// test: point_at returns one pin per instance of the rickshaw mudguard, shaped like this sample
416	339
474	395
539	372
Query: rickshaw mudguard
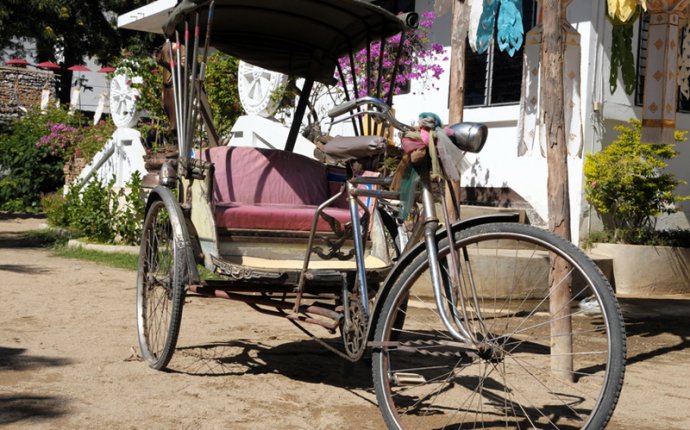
406	259
179	225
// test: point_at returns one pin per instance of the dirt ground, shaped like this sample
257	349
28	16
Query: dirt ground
68	358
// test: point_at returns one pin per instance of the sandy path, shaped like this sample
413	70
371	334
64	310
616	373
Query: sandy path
67	330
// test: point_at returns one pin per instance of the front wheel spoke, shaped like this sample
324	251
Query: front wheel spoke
554	394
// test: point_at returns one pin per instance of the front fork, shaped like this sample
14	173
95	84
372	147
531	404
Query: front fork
457	327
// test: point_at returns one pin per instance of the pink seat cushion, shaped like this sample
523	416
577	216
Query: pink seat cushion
257	175
275	217
268	189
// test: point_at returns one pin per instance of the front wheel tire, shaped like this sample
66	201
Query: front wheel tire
424	378
161	280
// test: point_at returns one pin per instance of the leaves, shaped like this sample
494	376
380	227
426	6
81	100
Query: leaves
627	181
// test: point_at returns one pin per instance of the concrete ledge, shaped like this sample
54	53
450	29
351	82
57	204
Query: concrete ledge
126	249
644	271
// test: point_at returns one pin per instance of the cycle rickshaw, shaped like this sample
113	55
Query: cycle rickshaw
472	323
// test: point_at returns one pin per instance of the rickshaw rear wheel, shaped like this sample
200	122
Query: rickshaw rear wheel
161	280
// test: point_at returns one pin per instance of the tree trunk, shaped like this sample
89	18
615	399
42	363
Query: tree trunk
457	85
559	202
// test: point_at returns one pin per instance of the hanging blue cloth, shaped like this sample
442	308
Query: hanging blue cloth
485	30
510	31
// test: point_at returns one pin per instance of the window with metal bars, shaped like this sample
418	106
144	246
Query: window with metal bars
682	104
494	78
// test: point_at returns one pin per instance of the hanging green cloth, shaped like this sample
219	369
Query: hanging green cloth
487	21
622	14
510	33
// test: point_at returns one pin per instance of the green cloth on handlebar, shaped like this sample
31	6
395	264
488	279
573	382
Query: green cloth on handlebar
408	190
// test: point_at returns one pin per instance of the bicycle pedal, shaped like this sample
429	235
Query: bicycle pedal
405	378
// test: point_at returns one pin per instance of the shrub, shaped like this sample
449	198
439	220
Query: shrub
91	139
99	213
29	167
627	182
129	219
53	205
95	212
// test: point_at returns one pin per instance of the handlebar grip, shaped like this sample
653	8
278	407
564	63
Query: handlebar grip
343	108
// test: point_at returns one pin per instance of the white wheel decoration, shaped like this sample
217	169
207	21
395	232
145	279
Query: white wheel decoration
123	100
256	85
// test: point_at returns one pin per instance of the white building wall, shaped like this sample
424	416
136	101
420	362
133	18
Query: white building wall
617	109
498	164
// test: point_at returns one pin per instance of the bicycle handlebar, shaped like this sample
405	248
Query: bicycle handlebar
384	111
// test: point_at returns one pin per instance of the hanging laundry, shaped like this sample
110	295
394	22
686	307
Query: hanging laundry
530	129
622	14
487	21
476	7
623	10
510	31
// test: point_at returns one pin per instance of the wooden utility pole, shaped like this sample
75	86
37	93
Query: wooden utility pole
458	36
551	95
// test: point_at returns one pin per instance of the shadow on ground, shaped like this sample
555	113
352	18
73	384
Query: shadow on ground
16	407
21	407
26	269
17	360
305	360
10	240
659	323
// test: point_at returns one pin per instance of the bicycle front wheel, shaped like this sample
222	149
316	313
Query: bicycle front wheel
161	280
546	347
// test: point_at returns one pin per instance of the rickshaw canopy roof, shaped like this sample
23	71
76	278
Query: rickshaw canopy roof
288	36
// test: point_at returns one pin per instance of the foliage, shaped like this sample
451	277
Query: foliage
677	237
45	237
128	220
66	141
59	139
627	182
71	30
98	212
93	212
419	60
221	86
91	139
53	206
147	78
30	168
150	87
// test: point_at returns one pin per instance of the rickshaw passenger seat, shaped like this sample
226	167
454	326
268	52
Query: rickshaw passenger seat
269	189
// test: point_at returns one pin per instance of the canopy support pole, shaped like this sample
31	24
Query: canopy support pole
303	102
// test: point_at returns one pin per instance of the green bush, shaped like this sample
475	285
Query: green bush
91	139
626	181
27	168
53	205
95	212
99	213
130	216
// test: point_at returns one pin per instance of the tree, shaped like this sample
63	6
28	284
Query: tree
71	29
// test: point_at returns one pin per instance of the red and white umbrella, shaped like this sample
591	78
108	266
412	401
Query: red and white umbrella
17	62
48	65
106	69
79	68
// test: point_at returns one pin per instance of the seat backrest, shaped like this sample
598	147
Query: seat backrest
269	176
